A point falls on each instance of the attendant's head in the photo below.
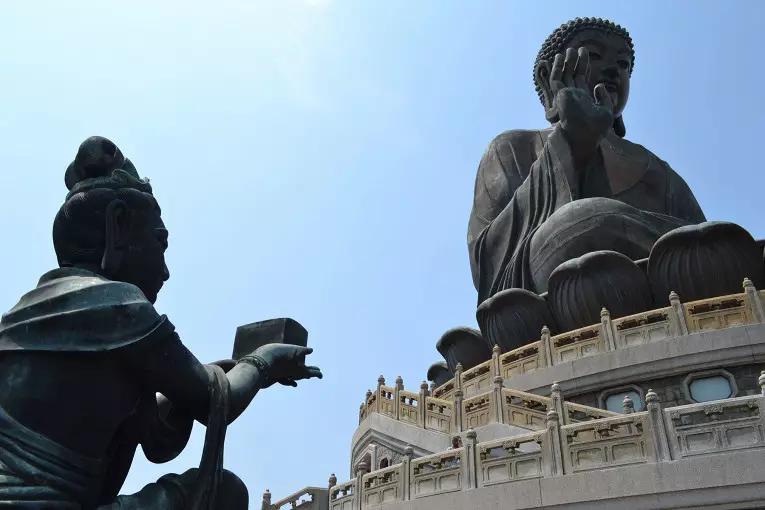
(110, 222)
(612, 58)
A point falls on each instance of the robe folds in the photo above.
(533, 211)
(76, 311)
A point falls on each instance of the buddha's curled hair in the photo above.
(98, 175)
(560, 39)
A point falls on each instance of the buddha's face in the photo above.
(143, 262)
(610, 64)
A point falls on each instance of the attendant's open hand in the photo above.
(585, 119)
(286, 364)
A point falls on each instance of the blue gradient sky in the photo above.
(316, 159)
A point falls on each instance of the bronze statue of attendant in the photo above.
(543, 197)
(91, 369)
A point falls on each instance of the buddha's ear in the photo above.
(542, 80)
(619, 127)
(117, 219)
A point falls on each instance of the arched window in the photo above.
(384, 463)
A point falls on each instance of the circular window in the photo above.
(716, 387)
(614, 401)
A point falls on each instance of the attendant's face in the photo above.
(143, 263)
(610, 64)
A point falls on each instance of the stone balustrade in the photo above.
(494, 404)
(309, 498)
(678, 319)
(554, 449)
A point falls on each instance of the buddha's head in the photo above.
(110, 222)
(612, 58)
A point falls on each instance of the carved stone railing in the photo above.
(577, 344)
(439, 473)
(343, 496)
(509, 459)
(650, 437)
(439, 415)
(309, 498)
(386, 402)
(385, 485)
(525, 410)
(608, 442)
(731, 424)
(678, 319)
(409, 408)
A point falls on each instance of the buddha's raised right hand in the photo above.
(584, 116)
(285, 364)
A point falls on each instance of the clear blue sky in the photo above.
(316, 159)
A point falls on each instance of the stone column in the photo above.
(423, 407)
(628, 405)
(458, 376)
(658, 427)
(554, 457)
(556, 395)
(607, 330)
(678, 313)
(266, 505)
(545, 349)
(361, 470)
(397, 396)
(471, 464)
(754, 301)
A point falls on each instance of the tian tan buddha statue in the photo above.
(90, 369)
(573, 218)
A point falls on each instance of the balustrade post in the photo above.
(380, 384)
(422, 410)
(362, 414)
(607, 330)
(658, 427)
(471, 465)
(266, 505)
(678, 314)
(555, 450)
(499, 415)
(397, 396)
(458, 397)
(458, 376)
(407, 478)
(754, 301)
(556, 395)
(332, 482)
(545, 349)
(628, 405)
(432, 387)
(361, 470)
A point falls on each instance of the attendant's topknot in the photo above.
(560, 39)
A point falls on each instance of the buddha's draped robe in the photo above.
(532, 211)
(76, 311)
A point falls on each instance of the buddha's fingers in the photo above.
(568, 67)
(556, 75)
(603, 98)
(582, 71)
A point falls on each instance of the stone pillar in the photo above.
(332, 482)
(761, 382)
(607, 330)
(397, 396)
(432, 387)
(545, 349)
(361, 470)
(266, 505)
(458, 376)
(471, 461)
(556, 395)
(423, 407)
(754, 301)
(499, 415)
(628, 405)
(678, 312)
(495, 366)
(658, 427)
(407, 478)
(458, 410)
(554, 457)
